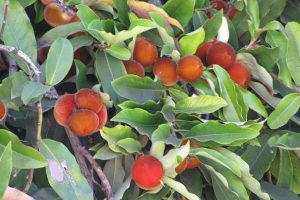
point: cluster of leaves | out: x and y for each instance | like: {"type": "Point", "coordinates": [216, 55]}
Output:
{"type": "Point", "coordinates": [249, 149]}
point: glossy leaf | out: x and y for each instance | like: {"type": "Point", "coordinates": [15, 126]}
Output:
{"type": "Point", "coordinates": [137, 89]}
{"type": "Point", "coordinates": [190, 42]}
{"type": "Point", "coordinates": [287, 141]}
{"type": "Point", "coordinates": [141, 120]}
{"type": "Point", "coordinates": [24, 157]}
{"type": "Point", "coordinates": [286, 109]}
{"type": "Point", "coordinates": [5, 168]}
{"type": "Point", "coordinates": [285, 174]}
{"type": "Point", "coordinates": [63, 172]}
{"type": "Point", "coordinates": [33, 91]}
{"type": "Point", "coordinates": [59, 61]}
{"type": "Point", "coordinates": [201, 104]}
{"type": "Point", "coordinates": [278, 193]}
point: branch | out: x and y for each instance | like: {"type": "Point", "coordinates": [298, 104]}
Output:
{"type": "Point", "coordinates": [79, 157]}
{"type": "Point", "coordinates": [79, 149]}
{"type": "Point", "coordinates": [23, 56]}
{"type": "Point", "coordinates": [4, 18]}
{"type": "Point", "coordinates": [29, 181]}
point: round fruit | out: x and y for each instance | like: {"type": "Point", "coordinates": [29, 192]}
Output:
{"type": "Point", "coordinates": [145, 52]}
{"type": "Point", "coordinates": [192, 162]}
{"type": "Point", "coordinates": [232, 12]}
{"type": "Point", "coordinates": [102, 116]}
{"type": "Point", "coordinates": [240, 74]}
{"type": "Point", "coordinates": [134, 67]}
{"type": "Point", "coordinates": [64, 108]}
{"type": "Point", "coordinates": [88, 99]}
{"type": "Point", "coordinates": [43, 54]}
{"type": "Point", "coordinates": [221, 53]}
{"type": "Point", "coordinates": [202, 50]}
{"type": "Point", "coordinates": [46, 2]}
{"type": "Point", "coordinates": [55, 15]}
{"type": "Point", "coordinates": [3, 111]}
{"type": "Point", "coordinates": [147, 172]}
{"type": "Point", "coordinates": [83, 122]}
{"type": "Point", "coordinates": [219, 4]}
{"type": "Point", "coordinates": [190, 68]}
{"type": "Point", "coordinates": [82, 55]}
{"type": "Point", "coordinates": [75, 18]}
{"type": "Point", "coordinates": [181, 167]}
{"type": "Point", "coordinates": [165, 69]}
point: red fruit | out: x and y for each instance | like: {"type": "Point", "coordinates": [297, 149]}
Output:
{"type": "Point", "coordinates": [102, 116]}
{"type": "Point", "coordinates": [75, 18]}
{"type": "Point", "coordinates": [145, 52]}
{"type": "Point", "coordinates": [3, 111]}
{"type": "Point", "coordinates": [190, 68]}
{"type": "Point", "coordinates": [232, 12]}
{"type": "Point", "coordinates": [202, 50]}
{"type": "Point", "coordinates": [88, 99]}
{"type": "Point", "coordinates": [64, 108]}
{"type": "Point", "coordinates": [222, 54]}
{"type": "Point", "coordinates": [219, 4]}
{"type": "Point", "coordinates": [55, 15]}
{"type": "Point", "coordinates": [165, 69]}
{"type": "Point", "coordinates": [240, 74]}
{"type": "Point", "coordinates": [83, 122]}
{"type": "Point", "coordinates": [134, 67]}
{"type": "Point", "coordinates": [147, 172]}
{"type": "Point", "coordinates": [193, 162]}
{"type": "Point", "coordinates": [82, 55]}
{"type": "Point", "coordinates": [193, 144]}
{"type": "Point", "coordinates": [182, 166]}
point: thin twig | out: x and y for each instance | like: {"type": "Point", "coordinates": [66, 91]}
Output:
{"type": "Point", "coordinates": [29, 181]}
{"type": "Point", "coordinates": [106, 187]}
{"type": "Point", "coordinates": [270, 177]}
{"type": "Point", "coordinates": [23, 56]}
{"type": "Point", "coordinates": [39, 122]}
{"type": "Point", "coordinates": [4, 18]}
{"type": "Point", "coordinates": [80, 158]}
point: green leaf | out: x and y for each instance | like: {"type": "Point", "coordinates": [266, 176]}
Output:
{"type": "Point", "coordinates": [177, 94]}
{"type": "Point", "coordinates": [278, 39]}
{"type": "Point", "coordinates": [26, 3]}
{"type": "Point", "coordinates": [285, 175]}
{"type": "Point", "coordinates": [105, 153]}
{"type": "Point", "coordinates": [24, 157]}
{"type": "Point", "coordinates": [190, 42]}
{"type": "Point", "coordinates": [5, 168]}
{"type": "Point", "coordinates": [119, 52]}
{"type": "Point", "coordinates": [161, 133]}
{"type": "Point", "coordinates": [278, 193]}
{"type": "Point", "coordinates": [63, 172]}
{"type": "Point", "coordinates": [224, 134]}
{"type": "Point", "coordinates": [121, 138]}
{"type": "Point", "coordinates": [251, 183]}
{"type": "Point", "coordinates": [266, 57]}
{"type": "Point", "coordinates": [293, 50]}
{"type": "Point", "coordinates": [236, 110]}
{"type": "Point", "coordinates": [62, 31]}
{"type": "Point", "coordinates": [141, 120]}
{"type": "Point", "coordinates": [285, 110]}
{"type": "Point", "coordinates": [270, 10]}
{"type": "Point", "coordinates": [212, 26]}
{"type": "Point", "coordinates": [201, 104]}
{"type": "Point", "coordinates": [253, 102]}
{"type": "Point", "coordinates": [33, 91]}
{"type": "Point", "coordinates": [259, 158]}
{"type": "Point", "coordinates": [287, 141]}
{"type": "Point", "coordinates": [193, 181]}
{"type": "Point", "coordinates": [81, 79]}
{"type": "Point", "coordinates": [252, 9]}
{"type": "Point", "coordinates": [86, 14]}
{"type": "Point", "coordinates": [222, 191]}
{"type": "Point", "coordinates": [159, 195]}
{"type": "Point", "coordinates": [138, 89]}
{"type": "Point", "coordinates": [182, 13]}
{"type": "Point", "coordinates": [18, 27]}
{"type": "Point", "coordinates": [81, 41]}
{"type": "Point", "coordinates": [59, 61]}
{"type": "Point", "coordinates": [123, 10]}
{"type": "Point", "coordinates": [149, 105]}
{"type": "Point", "coordinates": [109, 69]}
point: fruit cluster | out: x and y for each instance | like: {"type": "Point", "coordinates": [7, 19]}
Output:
{"type": "Point", "coordinates": [3, 111]}
{"type": "Point", "coordinates": [188, 68]}
{"type": "Point", "coordinates": [83, 113]}
{"type": "Point", "coordinates": [223, 54]}
{"type": "Point", "coordinates": [227, 8]}
{"type": "Point", "coordinates": [56, 14]}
